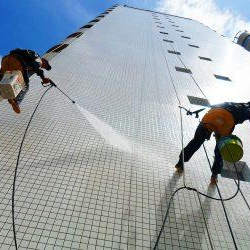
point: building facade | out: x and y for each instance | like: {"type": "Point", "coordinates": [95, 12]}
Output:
{"type": "Point", "coordinates": [244, 40]}
{"type": "Point", "coordinates": [100, 174]}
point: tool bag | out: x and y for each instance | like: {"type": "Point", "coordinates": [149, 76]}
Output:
{"type": "Point", "coordinates": [11, 84]}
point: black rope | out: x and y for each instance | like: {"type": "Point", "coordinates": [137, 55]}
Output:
{"type": "Point", "coordinates": [17, 163]}
{"type": "Point", "coordinates": [188, 112]}
{"type": "Point", "coordinates": [190, 188]}
{"type": "Point", "coordinates": [238, 184]}
{"type": "Point", "coordinates": [203, 214]}
{"type": "Point", "coordinates": [166, 216]}
{"type": "Point", "coordinates": [222, 200]}
{"type": "Point", "coordinates": [52, 84]}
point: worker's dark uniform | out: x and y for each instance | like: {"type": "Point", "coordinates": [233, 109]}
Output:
{"type": "Point", "coordinates": [27, 61]}
{"type": "Point", "coordinates": [240, 113]}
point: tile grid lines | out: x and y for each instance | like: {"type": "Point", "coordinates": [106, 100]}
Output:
{"type": "Point", "coordinates": [106, 167]}
{"type": "Point", "coordinates": [179, 57]}
{"type": "Point", "coordinates": [202, 92]}
{"type": "Point", "coordinates": [52, 206]}
{"type": "Point", "coordinates": [172, 46]}
{"type": "Point", "coordinates": [158, 224]}
{"type": "Point", "coordinates": [179, 102]}
{"type": "Point", "coordinates": [178, 98]}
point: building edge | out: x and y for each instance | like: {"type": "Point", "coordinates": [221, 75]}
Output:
{"type": "Point", "coordinates": [56, 49]}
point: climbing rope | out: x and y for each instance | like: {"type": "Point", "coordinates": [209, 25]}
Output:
{"type": "Point", "coordinates": [199, 193]}
{"type": "Point", "coordinates": [237, 184]}
{"type": "Point", "coordinates": [52, 84]}
{"type": "Point", "coordinates": [184, 183]}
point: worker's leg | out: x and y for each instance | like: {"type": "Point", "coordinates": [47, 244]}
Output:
{"type": "Point", "coordinates": [22, 93]}
{"type": "Point", "coordinates": [218, 162]}
{"type": "Point", "coordinates": [201, 134]}
{"type": "Point", "coordinates": [17, 101]}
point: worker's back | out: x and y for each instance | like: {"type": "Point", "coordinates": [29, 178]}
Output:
{"type": "Point", "coordinates": [240, 111]}
{"type": "Point", "coordinates": [28, 57]}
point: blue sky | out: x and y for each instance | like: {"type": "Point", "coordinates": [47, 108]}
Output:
{"type": "Point", "coordinates": [241, 7]}
{"type": "Point", "coordinates": [39, 25]}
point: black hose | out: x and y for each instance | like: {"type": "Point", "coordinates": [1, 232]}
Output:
{"type": "Point", "coordinates": [20, 150]}
{"type": "Point", "coordinates": [17, 163]}
{"type": "Point", "coordinates": [193, 189]}
{"type": "Point", "coordinates": [166, 216]}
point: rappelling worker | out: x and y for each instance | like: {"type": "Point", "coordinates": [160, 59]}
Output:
{"type": "Point", "coordinates": [28, 62]}
{"type": "Point", "coordinates": [220, 119]}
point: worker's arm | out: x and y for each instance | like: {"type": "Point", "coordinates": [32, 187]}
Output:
{"type": "Point", "coordinates": [36, 64]}
{"type": "Point", "coordinates": [39, 72]}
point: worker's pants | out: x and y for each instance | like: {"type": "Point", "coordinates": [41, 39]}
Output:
{"type": "Point", "coordinates": [22, 93]}
{"type": "Point", "coordinates": [202, 134]}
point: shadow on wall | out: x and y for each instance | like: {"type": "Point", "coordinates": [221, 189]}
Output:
{"type": "Point", "coordinates": [178, 230]}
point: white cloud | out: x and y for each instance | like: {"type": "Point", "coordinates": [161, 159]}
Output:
{"type": "Point", "coordinates": [75, 10]}
{"type": "Point", "coordinates": [207, 12]}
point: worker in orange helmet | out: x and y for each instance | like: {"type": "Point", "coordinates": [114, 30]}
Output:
{"type": "Point", "coordinates": [28, 62]}
{"type": "Point", "coordinates": [220, 119]}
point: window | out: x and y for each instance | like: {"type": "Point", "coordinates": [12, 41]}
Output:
{"type": "Point", "coordinates": [198, 101]}
{"type": "Point", "coordinates": [168, 41]}
{"type": "Point", "coordinates": [180, 30]}
{"type": "Point", "coordinates": [162, 32]}
{"type": "Point", "coordinates": [205, 58]}
{"type": "Point", "coordinates": [225, 78]}
{"type": "Point", "coordinates": [60, 48]}
{"type": "Point", "coordinates": [184, 70]}
{"type": "Point", "coordinates": [87, 26]}
{"type": "Point", "coordinates": [186, 37]}
{"type": "Point", "coordinates": [174, 52]}
{"type": "Point", "coordinates": [94, 21]}
{"type": "Point", "coordinates": [57, 48]}
{"type": "Point", "coordinates": [194, 46]}
{"type": "Point", "coordinates": [76, 34]}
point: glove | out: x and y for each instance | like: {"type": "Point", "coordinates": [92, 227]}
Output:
{"type": "Point", "coordinates": [46, 80]}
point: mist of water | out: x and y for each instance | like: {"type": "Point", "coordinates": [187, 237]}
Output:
{"type": "Point", "coordinates": [107, 133]}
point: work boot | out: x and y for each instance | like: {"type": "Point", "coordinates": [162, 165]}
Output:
{"type": "Point", "coordinates": [213, 180]}
{"type": "Point", "coordinates": [14, 105]}
{"type": "Point", "coordinates": [179, 168]}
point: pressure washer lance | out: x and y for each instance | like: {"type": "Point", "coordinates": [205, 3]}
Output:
{"type": "Point", "coordinates": [51, 83]}
{"type": "Point", "coordinates": [194, 112]}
